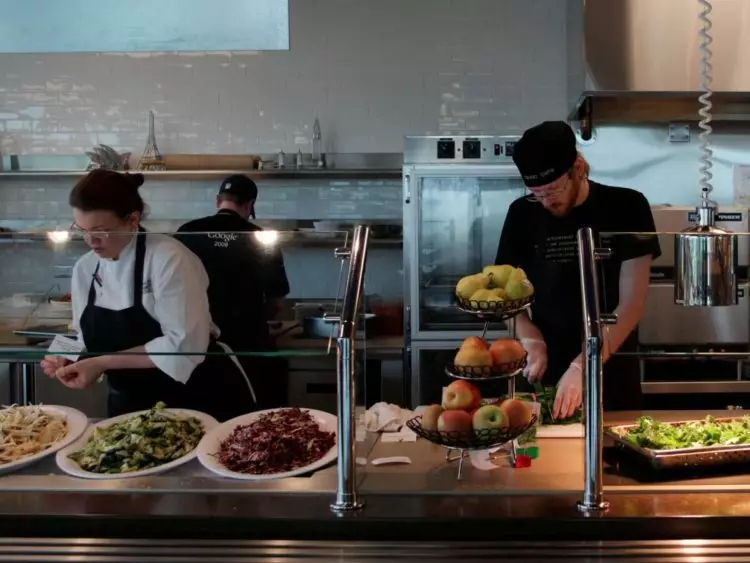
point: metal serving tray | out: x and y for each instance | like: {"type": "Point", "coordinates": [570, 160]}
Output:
{"type": "Point", "coordinates": [709, 456]}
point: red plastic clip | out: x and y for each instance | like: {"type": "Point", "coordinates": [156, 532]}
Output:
{"type": "Point", "coordinates": [523, 460]}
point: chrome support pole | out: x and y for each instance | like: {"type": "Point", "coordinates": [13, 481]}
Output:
{"type": "Point", "coordinates": [593, 496]}
{"type": "Point", "coordinates": [22, 383]}
{"type": "Point", "coordinates": [346, 463]}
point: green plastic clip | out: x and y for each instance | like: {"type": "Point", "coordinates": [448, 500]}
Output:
{"type": "Point", "coordinates": [532, 452]}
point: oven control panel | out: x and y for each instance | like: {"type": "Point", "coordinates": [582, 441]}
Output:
{"type": "Point", "coordinates": [481, 149]}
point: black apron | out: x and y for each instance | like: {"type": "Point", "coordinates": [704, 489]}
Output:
{"type": "Point", "coordinates": [256, 352]}
{"type": "Point", "coordinates": [559, 318]}
{"type": "Point", "coordinates": [216, 387]}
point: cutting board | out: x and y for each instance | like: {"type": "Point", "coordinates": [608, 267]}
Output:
{"type": "Point", "coordinates": [560, 431]}
{"type": "Point", "coordinates": [176, 162]}
{"type": "Point", "coordinates": [9, 338]}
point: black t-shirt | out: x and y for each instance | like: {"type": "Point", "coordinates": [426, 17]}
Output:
{"type": "Point", "coordinates": [243, 274]}
{"type": "Point", "coordinates": [545, 246]}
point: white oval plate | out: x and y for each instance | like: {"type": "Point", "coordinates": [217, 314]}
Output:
{"type": "Point", "coordinates": [72, 468]}
{"type": "Point", "coordinates": [77, 423]}
{"type": "Point", "coordinates": [209, 446]}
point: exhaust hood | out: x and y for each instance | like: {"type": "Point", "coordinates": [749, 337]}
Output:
{"type": "Point", "coordinates": [641, 60]}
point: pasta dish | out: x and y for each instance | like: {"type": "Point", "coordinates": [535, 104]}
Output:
{"type": "Point", "coordinates": [25, 431]}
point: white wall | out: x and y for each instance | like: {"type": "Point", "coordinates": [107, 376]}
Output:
{"type": "Point", "coordinates": [643, 158]}
{"type": "Point", "coordinates": [372, 71]}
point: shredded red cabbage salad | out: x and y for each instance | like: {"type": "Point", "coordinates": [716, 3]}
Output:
{"type": "Point", "coordinates": [279, 441]}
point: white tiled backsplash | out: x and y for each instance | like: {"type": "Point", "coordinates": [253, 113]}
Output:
{"type": "Point", "coordinates": [312, 199]}
{"type": "Point", "coordinates": [371, 71]}
{"type": "Point", "coordinates": [313, 272]}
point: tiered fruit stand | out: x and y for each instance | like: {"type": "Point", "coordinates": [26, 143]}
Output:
{"type": "Point", "coordinates": [487, 438]}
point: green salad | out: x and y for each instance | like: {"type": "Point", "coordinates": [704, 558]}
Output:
{"type": "Point", "coordinates": [648, 433]}
{"type": "Point", "coordinates": [140, 442]}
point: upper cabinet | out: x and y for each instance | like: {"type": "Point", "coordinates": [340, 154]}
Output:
{"type": "Point", "coordinates": [76, 26]}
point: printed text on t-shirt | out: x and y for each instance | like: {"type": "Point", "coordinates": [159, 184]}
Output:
{"type": "Point", "coordinates": [561, 249]}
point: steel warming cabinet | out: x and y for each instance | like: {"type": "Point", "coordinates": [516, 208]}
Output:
{"type": "Point", "coordinates": [456, 194]}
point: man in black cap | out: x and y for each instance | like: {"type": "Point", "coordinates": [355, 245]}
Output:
{"type": "Point", "coordinates": [539, 235]}
{"type": "Point", "coordinates": [247, 281]}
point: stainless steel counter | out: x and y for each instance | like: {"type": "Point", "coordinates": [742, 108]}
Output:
{"type": "Point", "coordinates": [557, 471]}
{"type": "Point", "coordinates": [420, 501]}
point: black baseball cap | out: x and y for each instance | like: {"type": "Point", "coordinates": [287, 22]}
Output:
{"type": "Point", "coordinates": [545, 152]}
{"type": "Point", "coordinates": [241, 187]}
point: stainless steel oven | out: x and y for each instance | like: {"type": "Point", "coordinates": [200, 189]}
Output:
{"type": "Point", "coordinates": [456, 194]}
{"type": "Point", "coordinates": [675, 342]}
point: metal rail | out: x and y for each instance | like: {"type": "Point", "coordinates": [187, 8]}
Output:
{"type": "Point", "coordinates": [593, 495]}
{"type": "Point", "coordinates": [22, 550]}
{"type": "Point", "coordinates": [346, 485]}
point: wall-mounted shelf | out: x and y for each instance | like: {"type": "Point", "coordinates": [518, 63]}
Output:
{"type": "Point", "coordinates": [284, 174]}
{"type": "Point", "coordinates": [296, 242]}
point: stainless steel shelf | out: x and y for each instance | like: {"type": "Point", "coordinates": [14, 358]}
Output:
{"type": "Point", "coordinates": [294, 242]}
{"type": "Point", "coordinates": [694, 387]}
{"type": "Point", "coordinates": [291, 174]}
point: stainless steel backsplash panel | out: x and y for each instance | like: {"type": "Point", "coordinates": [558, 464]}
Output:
{"type": "Point", "coordinates": [665, 323]}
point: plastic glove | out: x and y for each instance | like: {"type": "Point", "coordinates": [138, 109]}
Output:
{"type": "Point", "coordinates": [569, 392]}
{"type": "Point", "coordinates": [536, 363]}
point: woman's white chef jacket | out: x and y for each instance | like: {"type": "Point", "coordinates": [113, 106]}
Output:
{"type": "Point", "coordinates": [174, 294]}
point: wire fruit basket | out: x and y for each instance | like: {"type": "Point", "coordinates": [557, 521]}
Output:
{"type": "Point", "coordinates": [494, 309]}
{"type": "Point", "coordinates": [487, 373]}
{"type": "Point", "coordinates": [477, 440]}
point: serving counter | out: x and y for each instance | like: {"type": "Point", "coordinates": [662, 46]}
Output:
{"type": "Point", "coordinates": [420, 502]}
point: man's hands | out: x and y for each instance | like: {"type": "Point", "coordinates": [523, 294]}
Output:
{"type": "Point", "coordinates": [569, 392]}
{"type": "Point", "coordinates": [536, 364]}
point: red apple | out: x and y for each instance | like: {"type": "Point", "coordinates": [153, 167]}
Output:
{"type": "Point", "coordinates": [489, 417]}
{"type": "Point", "coordinates": [461, 395]}
{"type": "Point", "coordinates": [473, 357]}
{"type": "Point", "coordinates": [455, 421]}
{"type": "Point", "coordinates": [477, 398]}
{"type": "Point", "coordinates": [519, 413]}
{"type": "Point", "coordinates": [506, 350]}
{"type": "Point", "coordinates": [475, 342]}
{"type": "Point", "coordinates": [430, 417]}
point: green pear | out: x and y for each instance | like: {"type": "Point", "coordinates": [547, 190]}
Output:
{"type": "Point", "coordinates": [499, 294]}
{"type": "Point", "coordinates": [519, 289]}
{"type": "Point", "coordinates": [469, 285]}
{"type": "Point", "coordinates": [517, 275]}
{"type": "Point", "coordinates": [484, 296]}
{"type": "Point", "coordinates": [499, 275]}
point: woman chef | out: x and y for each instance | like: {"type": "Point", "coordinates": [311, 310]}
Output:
{"type": "Point", "coordinates": [140, 305]}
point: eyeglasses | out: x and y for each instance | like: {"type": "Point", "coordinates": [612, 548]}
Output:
{"type": "Point", "coordinates": [552, 191]}
{"type": "Point", "coordinates": [93, 235]}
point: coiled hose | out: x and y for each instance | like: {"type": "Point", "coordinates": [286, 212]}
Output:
{"type": "Point", "coordinates": [706, 158]}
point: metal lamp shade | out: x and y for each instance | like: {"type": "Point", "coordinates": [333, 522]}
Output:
{"type": "Point", "coordinates": [706, 262]}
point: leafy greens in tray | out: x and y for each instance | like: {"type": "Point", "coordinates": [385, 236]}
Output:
{"type": "Point", "coordinates": [140, 442]}
{"type": "Point", "coordinates": [648, 433]}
